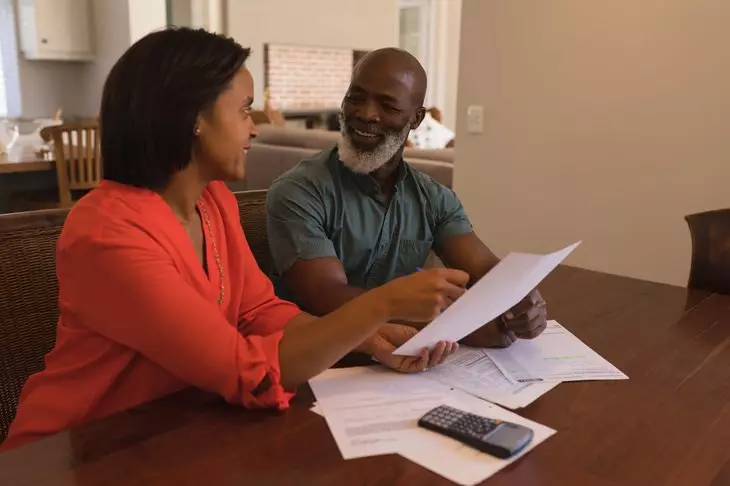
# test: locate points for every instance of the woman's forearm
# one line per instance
(311, 345)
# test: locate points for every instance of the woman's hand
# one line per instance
(422, 296)
(390, 336)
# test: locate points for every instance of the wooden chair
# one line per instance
(252, 211)
(78, 158)
(28, 300)
(710, 268)
(77, 152)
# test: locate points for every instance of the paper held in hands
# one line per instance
(494, 294)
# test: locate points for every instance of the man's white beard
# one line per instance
(367, 161)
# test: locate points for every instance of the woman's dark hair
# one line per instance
(152, 98)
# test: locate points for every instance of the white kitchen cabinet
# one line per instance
(57, 30)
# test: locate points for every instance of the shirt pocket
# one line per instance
(412, 255)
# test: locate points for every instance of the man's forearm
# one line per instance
(323, 301)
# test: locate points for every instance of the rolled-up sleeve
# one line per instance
(296, 223)
(264, 315)
(451, 219)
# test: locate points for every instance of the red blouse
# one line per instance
(140, 317)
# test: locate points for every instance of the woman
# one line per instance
(158, 288)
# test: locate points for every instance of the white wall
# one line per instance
(328, 23)
(112, 39)
(146, 16)
(605, 121)
(118, 25)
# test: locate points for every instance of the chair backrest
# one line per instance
(252, 211)
(28, 300)
(710, 268)
(77, 151)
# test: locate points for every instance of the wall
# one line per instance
(45, 85)
(146, 16)
(112, 39)
(308, 77)
(181, 14)
(118, 25)
(605, 121)
(323, 23)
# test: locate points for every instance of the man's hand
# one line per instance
(526, 320)
(390, 336)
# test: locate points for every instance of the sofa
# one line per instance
(277, 149)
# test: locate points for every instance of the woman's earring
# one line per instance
(197, 131)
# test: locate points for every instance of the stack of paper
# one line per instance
(372, 410)
(472, 371)
(555, 355)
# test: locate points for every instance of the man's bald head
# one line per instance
(397, 64)
(384, 102)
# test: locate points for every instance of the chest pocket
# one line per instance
(412, 255)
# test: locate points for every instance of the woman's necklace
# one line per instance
(217, 256)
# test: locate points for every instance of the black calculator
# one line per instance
(495, 437)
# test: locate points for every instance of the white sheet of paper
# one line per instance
(502, 288)
(555, 355)
(369, 412)
(460, 463)
(472, 371)
(442, 455)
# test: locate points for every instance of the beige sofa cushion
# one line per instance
(442, 172)
(442, 155)
(296, 137)
(264, 163)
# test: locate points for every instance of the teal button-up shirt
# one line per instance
(320, 208)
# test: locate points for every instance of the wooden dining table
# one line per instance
(21, 159)
(667, 425)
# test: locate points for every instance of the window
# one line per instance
(3, 91)
(9, 78)
(415, 33)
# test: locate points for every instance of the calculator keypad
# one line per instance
(464, 423)
(474, 426)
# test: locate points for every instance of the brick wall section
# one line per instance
(308, 77)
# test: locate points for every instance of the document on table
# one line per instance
(371, 403)
(472, 371)
(494, 294)
(369, 412)
(555, 355)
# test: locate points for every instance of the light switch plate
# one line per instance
(475, 119)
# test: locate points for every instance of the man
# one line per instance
(357, 215)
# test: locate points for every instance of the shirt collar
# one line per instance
(366, 182)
